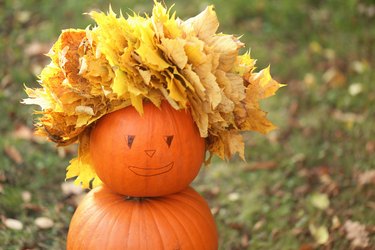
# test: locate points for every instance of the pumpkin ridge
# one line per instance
(116, 220)
(141, 223)
(194, 202)
(186, 217)
(130, 226)
(102, 207)
(104, 216)
(148, 207)
(83, 221)
(168, 205)
(127, 229)
(156, 210)
(109, 219)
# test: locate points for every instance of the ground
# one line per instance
(307, 185)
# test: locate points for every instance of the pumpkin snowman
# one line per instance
(146, 164)
(145, 98)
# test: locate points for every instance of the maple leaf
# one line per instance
(81, 167)
(205, 24)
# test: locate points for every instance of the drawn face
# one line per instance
(157, 153)
(148, 170)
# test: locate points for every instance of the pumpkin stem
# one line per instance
(131, 198)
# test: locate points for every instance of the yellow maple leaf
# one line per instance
(81, 167)
(174, 49)
(204, 24)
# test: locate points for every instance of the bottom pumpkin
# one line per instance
(107, 220)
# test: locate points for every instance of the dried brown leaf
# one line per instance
(245, 241)
(13, 224)
(13, 153)
(367, 177)
(356, 233)
(26, 196)
(306, 247)
(205, 24)
(23, 132)
(43, 222)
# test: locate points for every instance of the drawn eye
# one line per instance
(130, 140)
(168, 139)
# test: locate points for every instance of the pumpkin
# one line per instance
(107, 220)
(157, 153)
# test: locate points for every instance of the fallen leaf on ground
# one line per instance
(370, 147)
(356, 233)
(5, 81)
(335, 223)
(319, 233)
(355, 88)
(348, 117)
(334, 77)
(367, 177)
(33, 207)
(215, 210)
(306, 247)
(23, 132)
(43, 222)
(26, 196)
(320, 200)
(259, 224)
(13, 224)
(245, 240)
(233, 196)
(14, 154)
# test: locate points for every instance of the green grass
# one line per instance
(323, 50)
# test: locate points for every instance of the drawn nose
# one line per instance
(150, 153)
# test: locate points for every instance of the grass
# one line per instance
(323, 50)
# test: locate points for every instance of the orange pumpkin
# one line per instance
(154, 154)
(107, 220)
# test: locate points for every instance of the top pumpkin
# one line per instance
(126, 61)
(156, 154)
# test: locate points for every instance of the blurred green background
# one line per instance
(308, 185)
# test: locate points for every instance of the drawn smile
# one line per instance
(147, 172)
